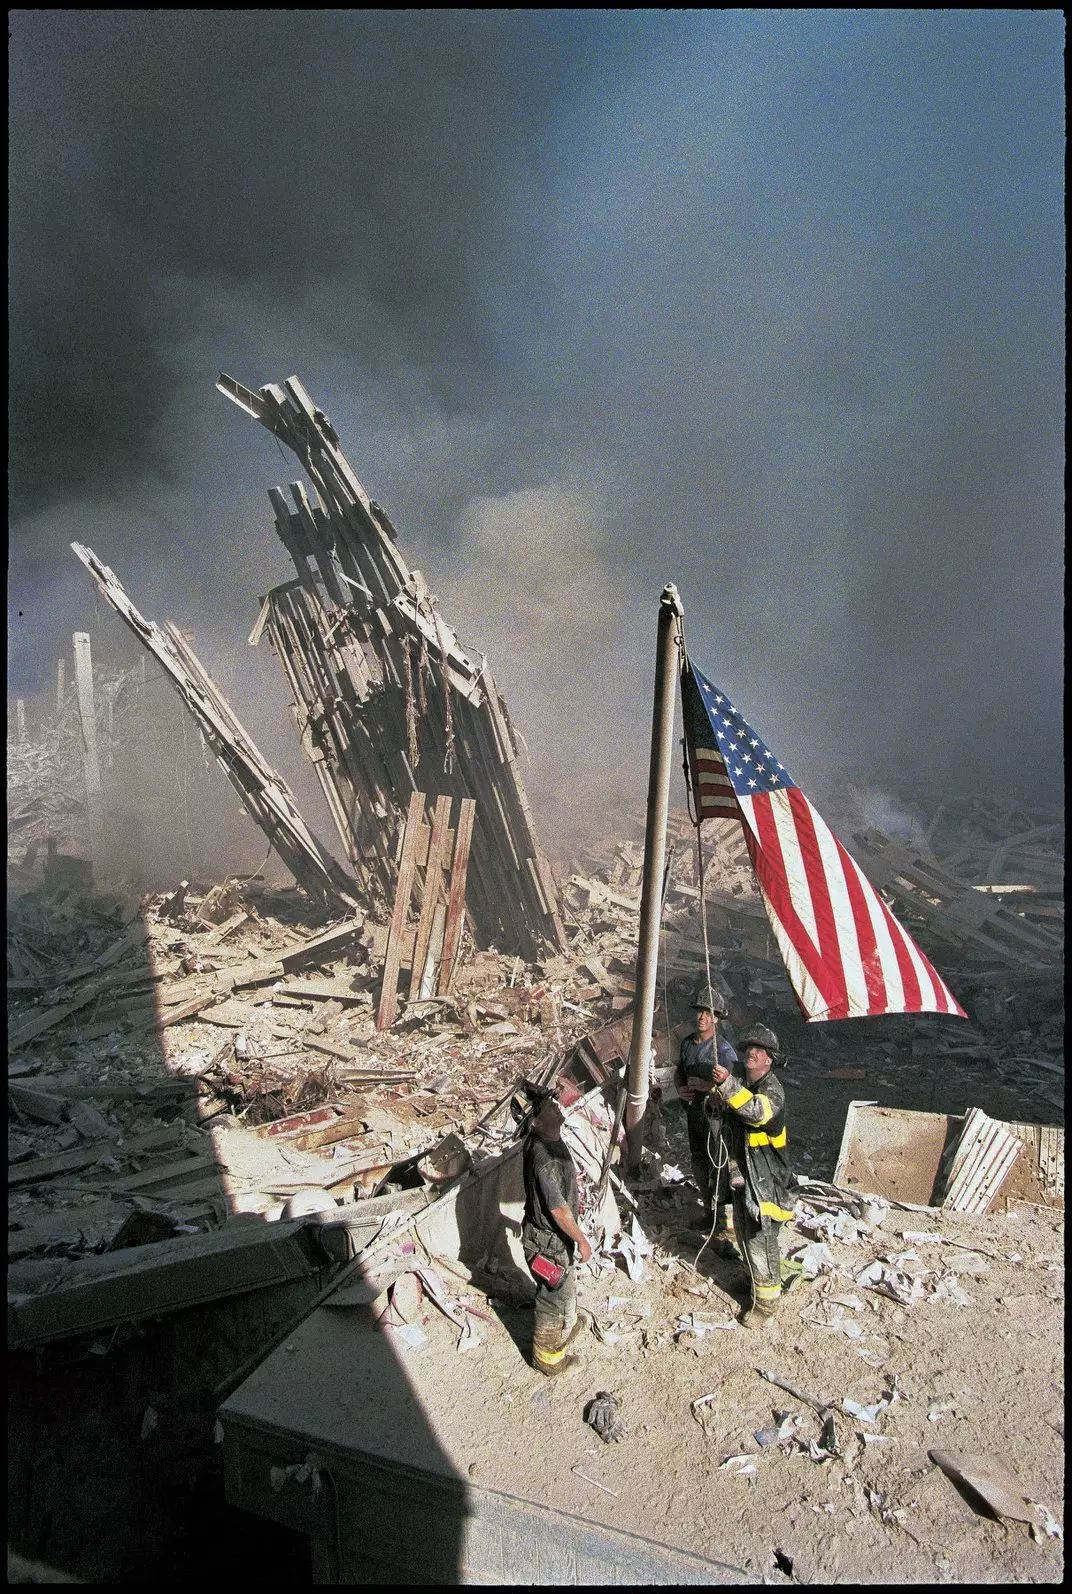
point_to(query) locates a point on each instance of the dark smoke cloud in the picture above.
(766, 303)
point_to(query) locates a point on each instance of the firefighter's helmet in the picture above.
(707, 996)
(760, 1035)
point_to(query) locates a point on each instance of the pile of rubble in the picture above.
(46, 796)
(202, 1054)
(135, 1028)
(221, 1050)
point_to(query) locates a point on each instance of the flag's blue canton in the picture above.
(750, 764)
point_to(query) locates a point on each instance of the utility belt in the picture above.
(536, 1238)
(547, 1254)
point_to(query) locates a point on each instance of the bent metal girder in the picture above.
(386, 698)
(265, 795)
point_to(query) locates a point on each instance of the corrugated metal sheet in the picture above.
(983, 1160)
(1046, 1147)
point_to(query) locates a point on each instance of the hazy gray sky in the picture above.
(766, 303)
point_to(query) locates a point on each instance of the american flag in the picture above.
(844, 952)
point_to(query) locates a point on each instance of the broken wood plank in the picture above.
(38, 1104)
(165, 1176)
(83, 674)
(317, 1043)
(325, 946)
(69, 1087)
(434, 954)
(242, 976)
(67, 1223)
(350, 1129)
(298, 1120)
(324, 1126)
(185, 1010)
(452, 933)
(223, 930)
(178, 991)
(323, 990)
(229, 1014)
(50, 1018)
(388, 1008)
(265, 796)
(41, 1168)
(132, 938)
(433, 883)
(372, 1076)
(165, 1276)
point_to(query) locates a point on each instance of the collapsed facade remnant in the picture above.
(961, 1162)
(431, 946)
(386, 698)
(962, 914)
(264, 794)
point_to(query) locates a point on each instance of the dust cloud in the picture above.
(768, 304)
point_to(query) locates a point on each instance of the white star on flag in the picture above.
(845, 953)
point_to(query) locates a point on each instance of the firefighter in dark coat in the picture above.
(551, 1237)
(708, 1145)
(762, 1198)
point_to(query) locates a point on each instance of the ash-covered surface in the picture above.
(157, 1037)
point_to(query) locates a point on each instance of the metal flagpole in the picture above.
(662, 737)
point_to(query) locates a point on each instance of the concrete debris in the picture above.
(603, 1414)
(987, 1480)
(384, 690)
(965, 1162)
(230, 1085)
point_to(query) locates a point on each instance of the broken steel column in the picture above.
(386, 698)
(265, 795)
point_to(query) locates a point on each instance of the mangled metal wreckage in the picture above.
(387, 701)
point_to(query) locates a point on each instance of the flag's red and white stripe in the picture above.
(715, 797)
(845, 953)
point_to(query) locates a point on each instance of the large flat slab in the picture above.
(408, 1466)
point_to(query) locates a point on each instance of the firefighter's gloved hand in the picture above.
(751, 1206)
(603, 1415)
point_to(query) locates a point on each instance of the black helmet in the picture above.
(760, 1035)
(527, 1101)
(708, 997)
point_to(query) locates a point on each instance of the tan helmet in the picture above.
(713, 1000)
(760, 1035)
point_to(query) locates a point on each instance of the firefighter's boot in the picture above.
(724, 1243)
(759, 1314)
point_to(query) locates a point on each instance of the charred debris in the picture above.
(225, 1094)
(443, 960)
(345, 1024)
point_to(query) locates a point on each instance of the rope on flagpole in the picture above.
(716, 1146)
(696, 819)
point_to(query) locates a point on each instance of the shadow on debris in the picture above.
(137, 1294)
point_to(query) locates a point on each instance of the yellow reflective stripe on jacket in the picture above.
(771, 1209)
(766, 1110)
(763, 1105)
(760, 1137)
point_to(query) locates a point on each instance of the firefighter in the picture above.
(708, 1144)
(551, 1236)
(755, 1111)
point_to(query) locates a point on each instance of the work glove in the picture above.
(602, 1414)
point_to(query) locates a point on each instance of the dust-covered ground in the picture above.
(984, 1376)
